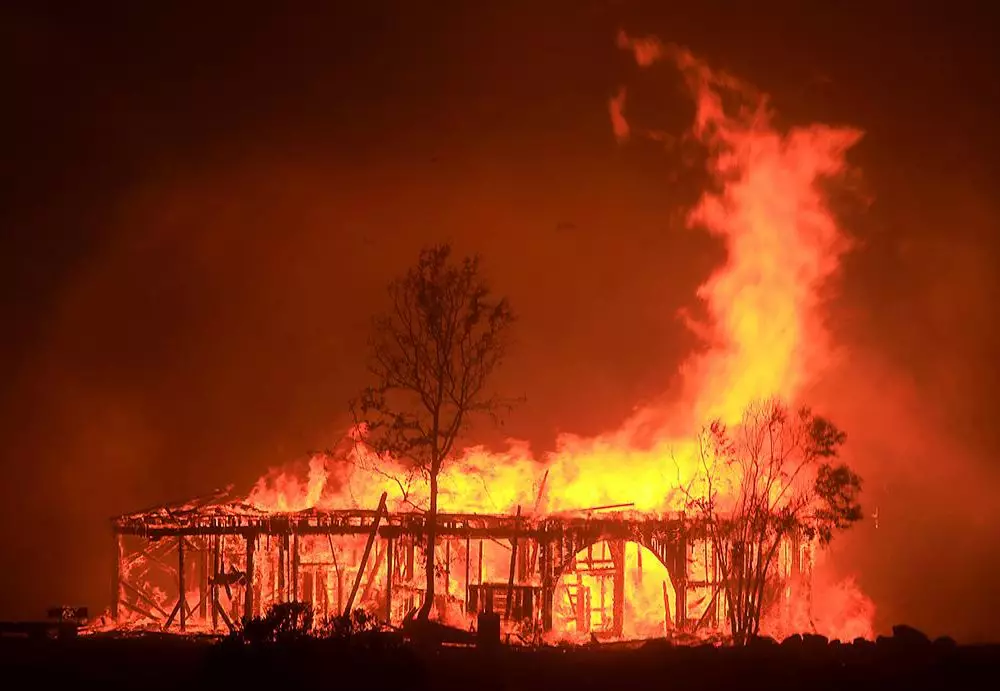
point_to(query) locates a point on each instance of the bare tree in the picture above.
(773, 477)
(432, 354)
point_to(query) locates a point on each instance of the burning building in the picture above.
(639, 569)
(607, 571)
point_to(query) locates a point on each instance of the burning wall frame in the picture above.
(542, 550)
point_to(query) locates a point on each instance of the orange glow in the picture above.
(765, 339)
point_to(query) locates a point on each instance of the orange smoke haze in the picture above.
(194, 257)
(764, 337)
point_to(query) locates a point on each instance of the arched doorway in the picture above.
(614, 589)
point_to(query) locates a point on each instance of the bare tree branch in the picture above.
(432, 356)
(787, 485)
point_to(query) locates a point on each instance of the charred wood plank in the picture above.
(181, 583)
(510, 577)
(139, 610)
(364, 557)
(144, 597)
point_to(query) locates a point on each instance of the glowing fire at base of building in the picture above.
(556, 571)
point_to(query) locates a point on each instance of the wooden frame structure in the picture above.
(214, 546)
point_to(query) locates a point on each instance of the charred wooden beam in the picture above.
(203, 582)
(173, 613)
(116, 585)
(143, 597)
(447, 567)
(390, 549)
(181, 583)
(618, 584)
(510, 577)
(364, 557)
(217, 607)
(138, 610)
(379, 558)
(295, 567)
(251, 541)
(213, 584)
(667, 625)
(468, 558)
(282, 549)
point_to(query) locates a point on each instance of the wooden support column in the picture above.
(447, 566)
(468, 558)
(181, 582)
(545, 567)
(513, 564)
(667, 624)
(116, 584)
(524, 562)
(410, 561)
(282, 549)
(295, 567)
(679, 578)
(203, 587)
(618, 597)
(248, 591)
(390, 548)
(213, 585)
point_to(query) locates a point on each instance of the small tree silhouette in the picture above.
(432, 355)
(774, 476)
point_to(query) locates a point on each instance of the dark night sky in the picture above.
(202, 204)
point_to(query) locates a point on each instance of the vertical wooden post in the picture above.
(295, 567)
(248, 591)
(447, 566)
(679, 578)
(666, 610)
(468, 558)
(116, 584)
(213, 585)
(513, 564)
(480, 562)
(545, 567)
(390, 549)
(203, 588)
(282, 548)
(410, 558)
(618, 602)
(181, 583)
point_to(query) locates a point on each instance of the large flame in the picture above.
(764, 335)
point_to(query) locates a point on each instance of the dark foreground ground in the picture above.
(166, 662)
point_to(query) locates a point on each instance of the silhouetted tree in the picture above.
(433, 353)
(774, 476)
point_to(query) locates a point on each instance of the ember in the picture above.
(600, 537)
